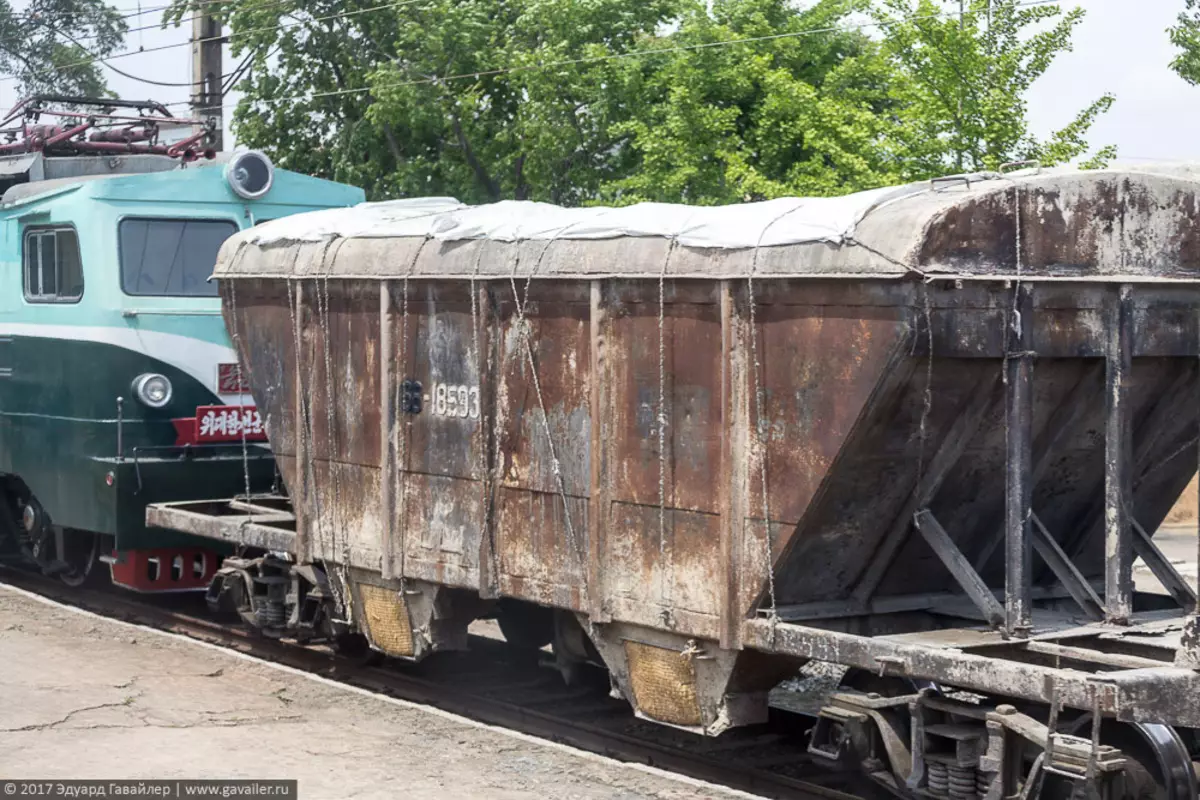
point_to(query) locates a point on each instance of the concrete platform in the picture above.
(86, 697)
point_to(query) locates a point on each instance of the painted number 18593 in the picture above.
(455, 400)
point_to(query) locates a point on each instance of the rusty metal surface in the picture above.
(844, 405)
(1130, 693)
(1079, 228)
(668, 563)
(681, 455)
(266, 529)
(542, 430)
(845, 431)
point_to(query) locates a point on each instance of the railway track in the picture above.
(492, 685)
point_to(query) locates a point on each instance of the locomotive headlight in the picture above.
(250, 174)
(152, 389)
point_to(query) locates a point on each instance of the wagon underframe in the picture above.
(1127, 672)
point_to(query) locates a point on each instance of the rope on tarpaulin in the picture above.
(236, 340)
(488, 479)
(304, 433)
(524, 332)
(401, 430)
(760, 444)
(339, 513)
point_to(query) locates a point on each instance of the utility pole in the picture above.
(206, 69)
(962, 11)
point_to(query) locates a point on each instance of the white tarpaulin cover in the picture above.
(791, 220)
(1060, 221)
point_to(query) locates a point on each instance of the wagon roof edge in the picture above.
(954, 226)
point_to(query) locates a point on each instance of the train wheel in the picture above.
(81, 554)
(527, 627)
(1160, 765)
(355, 647)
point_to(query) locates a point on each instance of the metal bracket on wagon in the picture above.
(867, 731)
(929, 745)
(412, 620)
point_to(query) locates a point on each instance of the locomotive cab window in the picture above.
(53, 270)
(170, 257)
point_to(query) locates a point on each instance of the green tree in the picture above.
(586, 101)
(962, 78)
(431, 97)
(804, 104)
(759, 100)
(568, 101)
(54, 45)
(1186, 36)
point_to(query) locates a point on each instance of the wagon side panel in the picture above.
(439, 355)
(542, 419)
(819, 367)
(339, 382)
(259, 319)
(662, 548)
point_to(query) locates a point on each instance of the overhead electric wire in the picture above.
(29, 15)
(142, 12)
(481, 73)
(161, 26)
(612, 57)
(228, 79)
(192, 42)
(232, 77)
(102, 61)
(149, 81)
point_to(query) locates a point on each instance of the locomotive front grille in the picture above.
(664, 684)
(386, 620)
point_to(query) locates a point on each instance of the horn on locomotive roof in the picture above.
(97, 126)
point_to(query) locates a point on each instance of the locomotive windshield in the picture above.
(171, 257)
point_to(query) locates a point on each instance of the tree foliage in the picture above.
(53, 45)
(440, 96)
(748, 104)
(962, 80)
(586, 101)
(1185, 35)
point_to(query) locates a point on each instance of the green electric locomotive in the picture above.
(118, 383)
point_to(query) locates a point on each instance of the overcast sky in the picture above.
(1121, 47)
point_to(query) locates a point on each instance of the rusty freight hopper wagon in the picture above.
(920, 432)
